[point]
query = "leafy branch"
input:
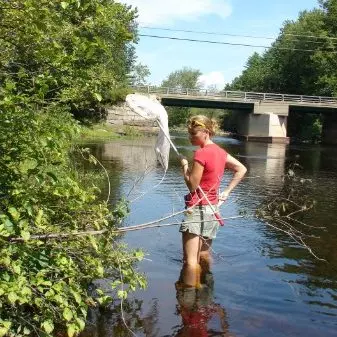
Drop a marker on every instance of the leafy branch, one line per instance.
(283, 212)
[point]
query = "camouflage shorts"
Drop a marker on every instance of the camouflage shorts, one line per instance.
(200, 220)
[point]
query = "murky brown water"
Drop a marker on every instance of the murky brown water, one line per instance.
(262, 283)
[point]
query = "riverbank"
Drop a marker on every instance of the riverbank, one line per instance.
(105, 131)
(260, 276)
(183, 129)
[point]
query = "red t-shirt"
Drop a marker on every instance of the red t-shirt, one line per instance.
(213, 158)
(195, 322)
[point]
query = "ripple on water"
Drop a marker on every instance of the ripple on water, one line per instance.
(264, 284)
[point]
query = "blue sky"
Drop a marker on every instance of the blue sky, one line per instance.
(219, 64)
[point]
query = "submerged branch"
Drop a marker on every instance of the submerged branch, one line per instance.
(291, 202)
(103, 231)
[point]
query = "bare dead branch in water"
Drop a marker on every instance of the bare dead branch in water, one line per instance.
(304, 224)
(138, 227)
(281, 211)
(292, 201)
(299, 241)
(103, 231)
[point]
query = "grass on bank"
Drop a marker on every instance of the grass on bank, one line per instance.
(105, 131)
(101, 132)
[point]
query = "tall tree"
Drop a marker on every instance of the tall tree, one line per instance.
(288, 66)
(326, 61)
(55, 57)
(253, 77)
(139, 74)
(186, 78)
(293, 54)
(77, 52)
(302, 60)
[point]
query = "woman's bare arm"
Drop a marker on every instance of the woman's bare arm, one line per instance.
(239, 172)
(192, 177)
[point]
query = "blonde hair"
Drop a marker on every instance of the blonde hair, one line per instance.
(201, 122)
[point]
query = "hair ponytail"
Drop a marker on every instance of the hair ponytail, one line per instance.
(203, 122)
(214, 127)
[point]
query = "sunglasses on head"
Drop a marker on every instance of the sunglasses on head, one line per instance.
(195, 123)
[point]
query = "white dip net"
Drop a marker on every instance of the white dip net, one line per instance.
(151, 109)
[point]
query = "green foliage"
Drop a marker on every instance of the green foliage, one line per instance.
(305, 127)
(326, 63)
(75, 52)
(253, 77)
(286, 68)
(186, 78)
(298, 63)
(100, 131)
(294, 199)
(178, 116)
(131, 131)
(43, 283)
(210, 113)
(229, 120)
(139, 74)
(57, 57)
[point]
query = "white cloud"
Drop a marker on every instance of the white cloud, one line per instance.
(213, 79)
(166, 12)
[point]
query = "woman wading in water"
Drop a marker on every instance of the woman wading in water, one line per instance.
(203, 180)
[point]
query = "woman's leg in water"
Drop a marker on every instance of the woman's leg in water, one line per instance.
(205, 255)
(192, 244)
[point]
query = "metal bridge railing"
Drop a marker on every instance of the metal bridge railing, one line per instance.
(236, 95)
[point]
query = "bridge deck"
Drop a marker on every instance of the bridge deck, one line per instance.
(237, 97)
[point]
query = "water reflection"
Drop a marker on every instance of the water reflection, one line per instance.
(266, 162)
(268, 284)
(134, 154)
(200, 315)
(108, 322)
(195, 308)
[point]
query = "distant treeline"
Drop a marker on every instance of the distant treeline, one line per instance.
(302, 60)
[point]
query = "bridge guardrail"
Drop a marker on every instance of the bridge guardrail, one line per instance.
(239, 95)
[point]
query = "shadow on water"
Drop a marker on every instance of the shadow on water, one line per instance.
(268, 285)
(197, 315)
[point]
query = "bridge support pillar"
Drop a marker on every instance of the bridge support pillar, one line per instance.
(268, 128)
(329, 132)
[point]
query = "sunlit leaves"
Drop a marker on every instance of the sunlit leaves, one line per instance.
(64, 4)
(12, 297)
(122, 294)
(4, 327)
(181, 79)
(301, 60)
(48, 326)
(67, 314)
(14, 213)
(98, 96)
(71, 330)
(62, 56)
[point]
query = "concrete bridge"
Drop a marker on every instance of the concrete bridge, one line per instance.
(263, 116)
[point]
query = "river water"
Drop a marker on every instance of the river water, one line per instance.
(262, 283)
